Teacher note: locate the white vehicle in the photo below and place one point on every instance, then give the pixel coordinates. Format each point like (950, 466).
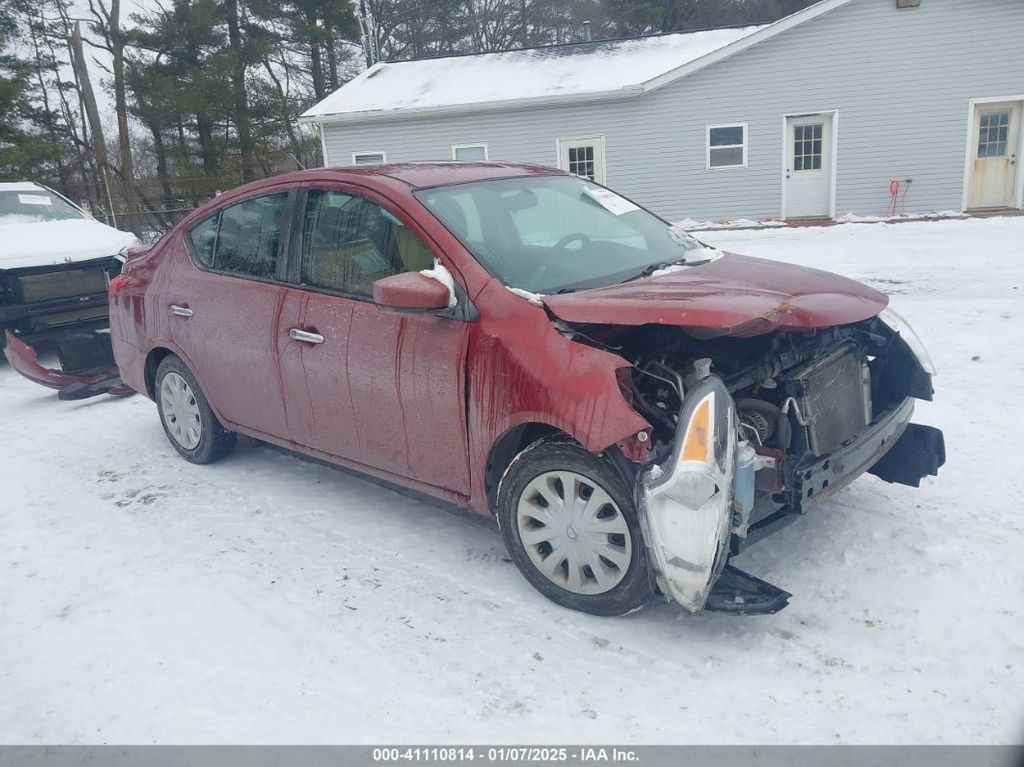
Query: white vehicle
(53, 263)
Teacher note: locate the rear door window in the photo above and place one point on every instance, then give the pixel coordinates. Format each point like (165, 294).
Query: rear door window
(203, 239)
(243, 239)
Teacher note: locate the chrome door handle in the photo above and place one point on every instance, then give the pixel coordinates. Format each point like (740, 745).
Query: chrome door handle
(180, 311)
(297, 334)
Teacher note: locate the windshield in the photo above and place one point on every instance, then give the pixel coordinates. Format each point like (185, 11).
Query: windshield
(35, 205)
(547, 234)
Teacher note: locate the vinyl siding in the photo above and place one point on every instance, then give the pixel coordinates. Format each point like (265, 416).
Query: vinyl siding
(901, 81)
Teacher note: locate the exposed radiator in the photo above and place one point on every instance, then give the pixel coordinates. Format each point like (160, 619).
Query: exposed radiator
(835, 398)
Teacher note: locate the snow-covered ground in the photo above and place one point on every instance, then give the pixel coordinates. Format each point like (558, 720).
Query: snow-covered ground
(272, 599)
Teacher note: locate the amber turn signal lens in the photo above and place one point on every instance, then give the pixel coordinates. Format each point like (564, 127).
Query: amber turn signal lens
(698, 433)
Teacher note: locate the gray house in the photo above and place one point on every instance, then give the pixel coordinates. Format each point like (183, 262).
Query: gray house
(849, 106)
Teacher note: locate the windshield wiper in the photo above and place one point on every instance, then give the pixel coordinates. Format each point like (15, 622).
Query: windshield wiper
(647, 271)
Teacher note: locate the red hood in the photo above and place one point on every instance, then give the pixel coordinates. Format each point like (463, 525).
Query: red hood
(735, 295)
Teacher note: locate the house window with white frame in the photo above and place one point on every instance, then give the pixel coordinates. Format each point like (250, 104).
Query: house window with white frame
(469, 152)
(727, 146)
(369, 158)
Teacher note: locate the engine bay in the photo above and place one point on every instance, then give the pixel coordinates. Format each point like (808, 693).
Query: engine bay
(798, 395)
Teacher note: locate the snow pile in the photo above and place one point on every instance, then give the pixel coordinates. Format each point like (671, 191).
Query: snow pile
(558, 71)
(699, 255)
(855, 218)
(20, 218)
(441, 274)
(670, 269)
(20, 186)
(537, 299)
(691, 224)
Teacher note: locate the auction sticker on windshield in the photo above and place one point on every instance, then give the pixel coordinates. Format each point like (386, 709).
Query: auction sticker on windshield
(610, 201)
(34, 199)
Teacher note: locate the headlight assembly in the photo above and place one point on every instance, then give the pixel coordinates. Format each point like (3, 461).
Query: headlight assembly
(912, 340)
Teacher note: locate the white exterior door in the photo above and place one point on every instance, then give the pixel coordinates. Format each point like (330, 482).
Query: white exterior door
(995, 137)
(808, 172)
(582, 156)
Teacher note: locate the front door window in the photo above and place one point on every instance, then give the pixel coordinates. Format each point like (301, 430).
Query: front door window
(349, 242)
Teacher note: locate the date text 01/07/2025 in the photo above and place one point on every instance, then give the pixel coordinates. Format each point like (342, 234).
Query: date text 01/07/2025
(504, 754)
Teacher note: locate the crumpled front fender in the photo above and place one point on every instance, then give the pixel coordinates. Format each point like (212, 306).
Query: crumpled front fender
(686, 502)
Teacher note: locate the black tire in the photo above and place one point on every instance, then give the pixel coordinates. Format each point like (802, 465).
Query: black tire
(560, 454)
(215, 442)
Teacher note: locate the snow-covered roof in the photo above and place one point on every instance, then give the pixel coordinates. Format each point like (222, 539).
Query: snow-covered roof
(19, 186)
(538, 76)
(558, 73)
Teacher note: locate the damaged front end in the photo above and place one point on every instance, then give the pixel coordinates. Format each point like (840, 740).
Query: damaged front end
(85, 358)
(686, 501)
(86, 366)
(688, 505)
(748, 434)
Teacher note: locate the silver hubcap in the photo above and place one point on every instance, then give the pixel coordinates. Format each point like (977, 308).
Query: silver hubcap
(574, 533)
(181, 411)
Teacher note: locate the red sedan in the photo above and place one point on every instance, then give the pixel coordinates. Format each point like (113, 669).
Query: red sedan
(631, 405)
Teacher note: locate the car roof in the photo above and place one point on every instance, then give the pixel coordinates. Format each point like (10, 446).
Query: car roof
(425, 174)
(21, 186)
(385, 177)
(415, 175)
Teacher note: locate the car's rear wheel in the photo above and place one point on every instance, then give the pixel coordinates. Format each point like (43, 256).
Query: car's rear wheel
(572, 529)
(187, 418)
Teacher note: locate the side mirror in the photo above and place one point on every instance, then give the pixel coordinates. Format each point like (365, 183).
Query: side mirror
(410, 291)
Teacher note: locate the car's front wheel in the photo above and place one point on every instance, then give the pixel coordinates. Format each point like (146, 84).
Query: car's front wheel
(572, 529)
(188, 420)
